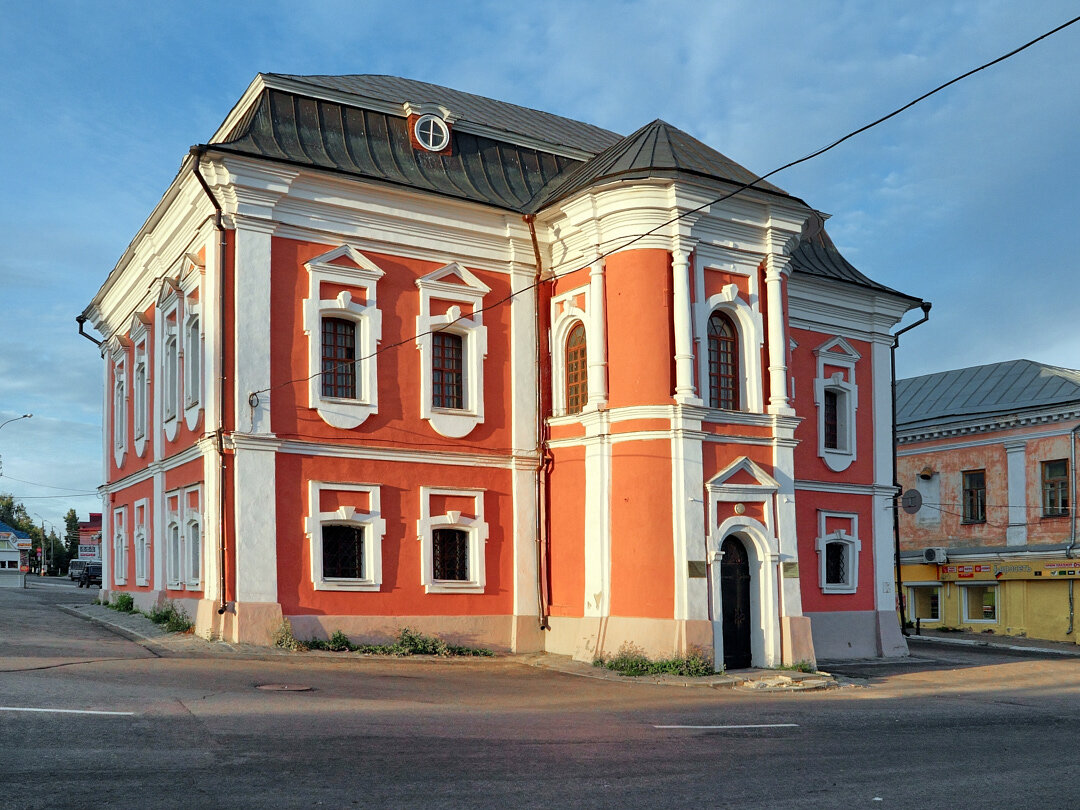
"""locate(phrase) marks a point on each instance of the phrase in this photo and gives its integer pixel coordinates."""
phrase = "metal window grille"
(975, 496)
(836, 564)
(343, 552)
(338, 358)
(723, 363)
(577, 382)
(1055, 487)
(450, 554)
(832, 419)
(447, 380)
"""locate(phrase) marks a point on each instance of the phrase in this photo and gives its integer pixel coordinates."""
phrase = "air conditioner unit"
(935, 555)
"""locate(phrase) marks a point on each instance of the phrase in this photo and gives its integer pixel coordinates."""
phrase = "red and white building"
(391, 354)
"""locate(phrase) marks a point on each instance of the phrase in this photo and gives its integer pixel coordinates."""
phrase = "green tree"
(71, 533)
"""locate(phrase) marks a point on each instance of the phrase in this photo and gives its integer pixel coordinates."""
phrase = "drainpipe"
(197, 153)
(81, 320)
(1072, 530)
(895, 474)
(542, 468)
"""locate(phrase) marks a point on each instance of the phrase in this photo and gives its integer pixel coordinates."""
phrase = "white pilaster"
(688, 515)
(685, 391)
(597, 530)
(256, 521)
(596, 346)
(786, 533)
(1016, 533)
(158, 533)
(775, 274)
(251, 324)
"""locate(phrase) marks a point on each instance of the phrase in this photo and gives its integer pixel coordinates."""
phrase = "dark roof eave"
(873, 287)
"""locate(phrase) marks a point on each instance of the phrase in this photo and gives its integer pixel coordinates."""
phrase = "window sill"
(356, 585)
(1055, 517)
(973, 522)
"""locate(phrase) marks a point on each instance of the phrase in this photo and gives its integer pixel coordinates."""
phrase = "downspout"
(197, 153)
(541, 446)
(895, 473)
(81, 320)
(1072, 530)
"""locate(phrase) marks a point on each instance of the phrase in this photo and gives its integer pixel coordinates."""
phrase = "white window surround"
(838, 353)
(748, 325)
(467, 290)
(192, 349)
(120, 555)
(118, 352)
(335, 411)
(370, 520)
(852, 547)
(476, 529)
(565, 315)
(142, 547)
(193, 538)
(182, 562)
(431, 132)
(174, 551)
(140, 382)
(964, 617)
(167, 380)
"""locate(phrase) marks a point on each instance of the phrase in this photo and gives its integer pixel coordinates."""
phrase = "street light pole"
(16, 419)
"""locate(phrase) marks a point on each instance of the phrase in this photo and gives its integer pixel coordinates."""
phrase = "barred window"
(338, 358)
(450, 554)
(836, 563)
(343, 552)
(447, 381)
(1055, 487)
(832, 419)
(577, 380)
(723, 363)
(975, 496)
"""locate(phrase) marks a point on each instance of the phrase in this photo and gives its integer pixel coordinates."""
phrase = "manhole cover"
(284, 687)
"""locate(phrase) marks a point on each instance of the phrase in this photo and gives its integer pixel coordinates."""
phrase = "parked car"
(91, 575)
(75, 569)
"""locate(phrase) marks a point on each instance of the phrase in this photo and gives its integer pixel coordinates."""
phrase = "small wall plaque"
(790, 570)
(696, 569)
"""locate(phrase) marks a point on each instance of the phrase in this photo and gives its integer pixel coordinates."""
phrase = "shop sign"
(997, 571)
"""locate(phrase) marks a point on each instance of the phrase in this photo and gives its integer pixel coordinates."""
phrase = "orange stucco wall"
(126, 498)
(807, 507)
(567, 521)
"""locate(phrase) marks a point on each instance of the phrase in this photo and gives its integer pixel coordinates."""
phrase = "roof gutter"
(197, 153)
(925, 306)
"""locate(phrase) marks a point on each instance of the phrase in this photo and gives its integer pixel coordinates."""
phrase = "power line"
(253, 396)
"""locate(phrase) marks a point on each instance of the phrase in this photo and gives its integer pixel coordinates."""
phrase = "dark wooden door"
(735, 594)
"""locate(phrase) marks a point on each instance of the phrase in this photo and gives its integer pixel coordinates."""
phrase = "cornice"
(519, 460)
(159, 466)
(980, 426)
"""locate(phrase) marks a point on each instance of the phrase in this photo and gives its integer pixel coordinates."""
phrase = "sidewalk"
(993, 641)
(140, 629)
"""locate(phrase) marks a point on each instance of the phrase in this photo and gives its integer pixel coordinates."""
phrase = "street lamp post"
(16, 419)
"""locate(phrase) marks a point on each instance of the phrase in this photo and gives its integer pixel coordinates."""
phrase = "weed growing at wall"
(408, 642)
(284, 638)
(631, 660)
(123, 602)
(174, 618)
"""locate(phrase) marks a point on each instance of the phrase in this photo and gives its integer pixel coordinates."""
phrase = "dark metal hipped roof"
(983, 391)
(657, 149)
(329, 135)
(816, 255)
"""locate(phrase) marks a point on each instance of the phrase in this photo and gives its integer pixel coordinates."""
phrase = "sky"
(968, 200)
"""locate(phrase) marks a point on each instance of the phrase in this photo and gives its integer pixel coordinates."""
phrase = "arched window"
(577, 378)
(723, 363)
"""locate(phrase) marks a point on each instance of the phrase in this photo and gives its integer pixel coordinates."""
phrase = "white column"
(774, 295)
(1016, 533)
(597, 516)
(255, 540)
(685, 392)
(688, 517)
(252, 324)
(596, 346)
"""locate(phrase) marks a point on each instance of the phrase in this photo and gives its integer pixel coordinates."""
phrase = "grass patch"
(632, 661)
(123, 602)
(174, 618)
(408, 642)
(798, 666)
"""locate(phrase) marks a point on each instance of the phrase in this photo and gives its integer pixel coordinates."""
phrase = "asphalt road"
(949, 728)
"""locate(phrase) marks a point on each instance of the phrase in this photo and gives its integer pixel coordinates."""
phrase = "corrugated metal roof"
(654, 150)
(358, 141)
(982, 391)
(488, 112)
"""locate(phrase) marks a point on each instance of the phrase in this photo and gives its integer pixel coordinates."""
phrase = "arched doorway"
(735, 597)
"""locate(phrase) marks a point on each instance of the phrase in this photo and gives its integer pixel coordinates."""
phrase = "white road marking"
(63, 711)
(749, 725)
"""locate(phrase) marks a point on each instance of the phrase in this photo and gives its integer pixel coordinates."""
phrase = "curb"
(964, 642)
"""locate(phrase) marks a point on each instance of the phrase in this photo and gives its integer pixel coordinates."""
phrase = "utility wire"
(253, 397)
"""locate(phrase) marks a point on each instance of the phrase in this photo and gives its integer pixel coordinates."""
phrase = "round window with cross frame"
(432, 133)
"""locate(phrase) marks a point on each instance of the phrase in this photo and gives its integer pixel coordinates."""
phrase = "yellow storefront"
(1016, 596)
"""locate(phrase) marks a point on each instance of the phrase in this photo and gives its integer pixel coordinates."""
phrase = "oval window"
(432, 133)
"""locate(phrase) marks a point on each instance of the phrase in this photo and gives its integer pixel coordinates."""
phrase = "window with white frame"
(193, 538)
(452, 534)
(924, 602)
(173, 546)
(730, 333)
(167, 380)
(141, 542)
(838, 547)
(452, 345)
(184, 538)
(120, 552)
(570, 354)
(345, 529)
(193, 353)
(837, 398)
(343, 325)
(119, 402)
(140, 381)
(978, 603)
